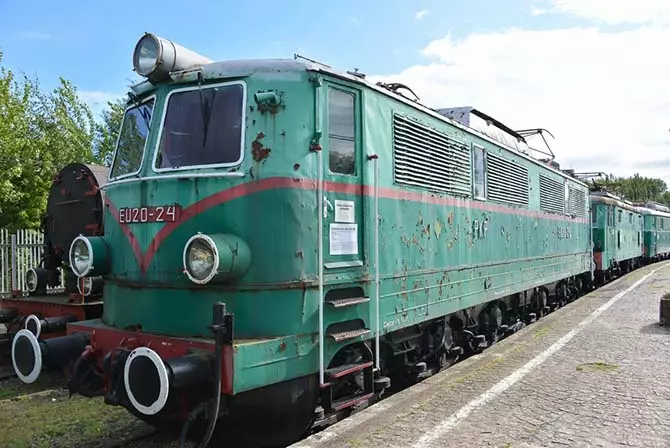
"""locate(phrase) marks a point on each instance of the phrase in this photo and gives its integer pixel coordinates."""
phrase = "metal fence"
(19, 251)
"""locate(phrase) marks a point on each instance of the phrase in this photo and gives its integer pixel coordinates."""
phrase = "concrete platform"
(593, 374)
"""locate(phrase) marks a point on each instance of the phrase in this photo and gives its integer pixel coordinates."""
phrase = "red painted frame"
(106, 339)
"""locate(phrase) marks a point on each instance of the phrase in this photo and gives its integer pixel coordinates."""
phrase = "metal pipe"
(321, 211)
(8, 314)
(30, 356)
(377, 262)
(46, 325)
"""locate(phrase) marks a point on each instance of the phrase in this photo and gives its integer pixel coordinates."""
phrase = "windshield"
(202, 127)
(132, 139)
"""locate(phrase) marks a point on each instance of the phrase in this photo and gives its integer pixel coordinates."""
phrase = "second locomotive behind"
(74, 207)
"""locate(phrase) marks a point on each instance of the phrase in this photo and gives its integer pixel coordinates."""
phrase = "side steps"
(372, 385)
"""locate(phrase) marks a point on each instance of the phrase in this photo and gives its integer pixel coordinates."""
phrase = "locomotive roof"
(610, 199)
(649, 211)
(248, 67)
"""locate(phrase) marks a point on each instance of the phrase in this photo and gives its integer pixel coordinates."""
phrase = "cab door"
(343, 202)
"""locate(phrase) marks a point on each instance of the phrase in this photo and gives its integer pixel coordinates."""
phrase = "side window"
(594, 215)
(619, 214)
(479, 174)
(610, 217)
(341, 132)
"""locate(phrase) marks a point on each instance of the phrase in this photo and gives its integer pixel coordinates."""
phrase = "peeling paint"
(437, 228)
(257, 150)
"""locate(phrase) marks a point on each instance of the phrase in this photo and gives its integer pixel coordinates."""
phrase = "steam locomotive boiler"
(74, 207)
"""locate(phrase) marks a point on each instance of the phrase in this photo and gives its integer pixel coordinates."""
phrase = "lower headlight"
(215, 257)
(89, 286)
(36, 280)
(84, 252)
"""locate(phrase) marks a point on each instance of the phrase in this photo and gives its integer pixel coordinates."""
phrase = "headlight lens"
(200, 260)
(31, 280)
(89, 256)
(216, 258)
(87, 283)
(80, 257)
(146, 55)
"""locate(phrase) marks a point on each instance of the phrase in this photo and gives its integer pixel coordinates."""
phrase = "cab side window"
(341, 132)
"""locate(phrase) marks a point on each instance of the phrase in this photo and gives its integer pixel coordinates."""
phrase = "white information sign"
(345, 211)
(343, 239)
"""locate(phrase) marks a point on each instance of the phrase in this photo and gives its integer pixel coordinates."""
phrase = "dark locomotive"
(74, 207)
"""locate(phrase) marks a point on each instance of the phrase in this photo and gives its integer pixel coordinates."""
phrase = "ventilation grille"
(577, 202)
(426, 158)
(552, 193)
(507, 181)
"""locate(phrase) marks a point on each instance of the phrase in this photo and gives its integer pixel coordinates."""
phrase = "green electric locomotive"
(282, 239)
(617, 236)
(656, 231)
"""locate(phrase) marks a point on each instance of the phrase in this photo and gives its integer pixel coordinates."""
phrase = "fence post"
(14, 255)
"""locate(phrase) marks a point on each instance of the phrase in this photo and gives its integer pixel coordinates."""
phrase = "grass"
(597, 366)
(52, 419)
(541, 332)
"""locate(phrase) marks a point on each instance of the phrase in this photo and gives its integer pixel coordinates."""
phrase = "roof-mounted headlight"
(155, 58)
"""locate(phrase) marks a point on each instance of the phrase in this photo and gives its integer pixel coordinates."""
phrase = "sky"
(596, 73)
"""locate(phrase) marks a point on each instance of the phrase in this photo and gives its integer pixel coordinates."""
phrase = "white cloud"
(421, 14)
(603, 95)
(538, 11)
(617, 11)
(97, 100)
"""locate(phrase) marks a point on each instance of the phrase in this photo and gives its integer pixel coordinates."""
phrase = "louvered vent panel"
(552, 193)
(426, 158)
(506, 181)
(577, 202)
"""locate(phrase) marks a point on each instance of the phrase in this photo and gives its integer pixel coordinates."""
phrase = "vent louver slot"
(552, 195)
(577, 202)
(506, 181)
(424, 157)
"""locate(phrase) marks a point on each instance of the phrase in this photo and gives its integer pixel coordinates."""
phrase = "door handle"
(326, 204)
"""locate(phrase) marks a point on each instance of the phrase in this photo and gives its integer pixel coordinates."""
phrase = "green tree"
(107, 131)
(40, 132)
(637, 188)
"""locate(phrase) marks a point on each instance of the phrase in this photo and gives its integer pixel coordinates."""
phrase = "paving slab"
(595, 373)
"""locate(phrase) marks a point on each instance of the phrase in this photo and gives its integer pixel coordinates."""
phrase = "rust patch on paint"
(257, 150)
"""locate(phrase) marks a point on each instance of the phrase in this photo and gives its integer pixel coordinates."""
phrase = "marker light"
(91, 286)
(155, 58)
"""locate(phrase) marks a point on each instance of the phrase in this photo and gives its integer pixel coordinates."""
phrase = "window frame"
(473, 148)
(166, 104)
(610, 216)
(357, 127)
(146, 141)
